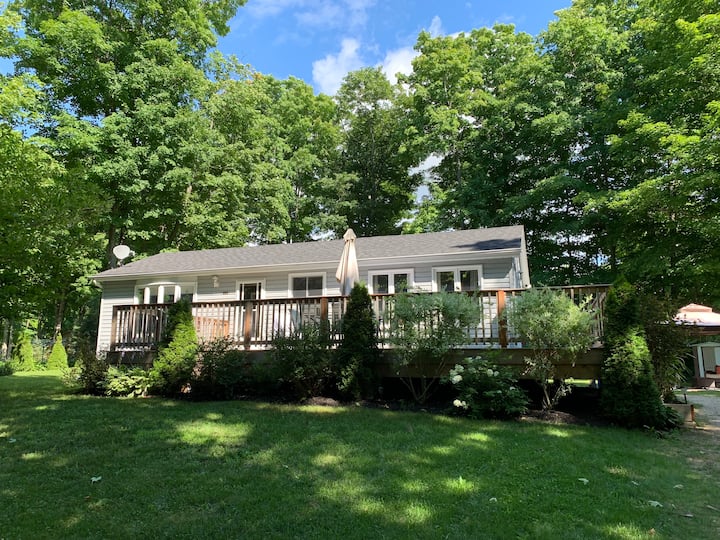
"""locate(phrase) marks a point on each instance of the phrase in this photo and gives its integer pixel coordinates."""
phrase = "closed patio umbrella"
(347, 272)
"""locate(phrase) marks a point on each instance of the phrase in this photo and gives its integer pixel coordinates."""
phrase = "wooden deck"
(254, 324)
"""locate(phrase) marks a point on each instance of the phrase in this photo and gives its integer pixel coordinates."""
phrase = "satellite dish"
(121, 252)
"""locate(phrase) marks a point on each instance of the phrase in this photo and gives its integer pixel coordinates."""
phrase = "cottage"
(251, 293)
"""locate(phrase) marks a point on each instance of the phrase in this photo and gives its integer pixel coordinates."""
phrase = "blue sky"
(320, 41)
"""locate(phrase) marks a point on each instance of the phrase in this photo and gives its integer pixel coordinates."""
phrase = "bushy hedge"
(555, 328)
(303, 360)
(425, 328)
(223, 372)
(485, 390)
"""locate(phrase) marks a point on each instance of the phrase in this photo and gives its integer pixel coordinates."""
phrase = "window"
(390, 282)
(250, 290)
(304, 286)
(457, 279)
(164, 293)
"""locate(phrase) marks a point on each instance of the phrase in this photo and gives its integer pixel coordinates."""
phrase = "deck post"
(247, 323)
(324, 309)
(502, 323)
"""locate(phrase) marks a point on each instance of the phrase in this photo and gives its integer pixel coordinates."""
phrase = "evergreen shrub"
(358, 353)
(58, 358)
(172, 370)
(629, 394)
(23, 356)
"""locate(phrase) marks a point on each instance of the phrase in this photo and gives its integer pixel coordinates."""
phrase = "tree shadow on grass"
(255, 470)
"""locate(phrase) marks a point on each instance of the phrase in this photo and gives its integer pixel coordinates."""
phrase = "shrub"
(486, 390)
(90, 371)
(125, 382)
(303, 360)
(222, 371)
(667, 342)
(173, 368)
(58, 357)
(629, 393)
(555, 329)
(6, 369)
(425, 328)
(358, 351)
(23, 357)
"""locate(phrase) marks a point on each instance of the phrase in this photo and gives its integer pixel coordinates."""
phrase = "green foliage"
(358, 353)
(630, 396)
(58, 356)
(629, 393)
(374, 152)
(555, 328)
(424, 330)
(176, 360)
(303, 360)
(124, 382)
(486, 390)
(622, 312)
(6, 369)
(90, 371)
(667, 343)
(223, 372)
(23, 356)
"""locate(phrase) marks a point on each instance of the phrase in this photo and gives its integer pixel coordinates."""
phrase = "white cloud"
(345, 14)
(329, 72)
(436, 28)
(270, 8)
(398, 61)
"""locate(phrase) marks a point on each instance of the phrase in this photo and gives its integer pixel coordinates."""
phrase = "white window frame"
(145, 290)
(241, 282)
(457, 269)
(391, 278)
(306, 275)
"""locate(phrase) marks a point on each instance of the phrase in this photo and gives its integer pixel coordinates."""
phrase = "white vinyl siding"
(114, 294)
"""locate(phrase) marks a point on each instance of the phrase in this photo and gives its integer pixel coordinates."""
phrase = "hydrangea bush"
(486, 390)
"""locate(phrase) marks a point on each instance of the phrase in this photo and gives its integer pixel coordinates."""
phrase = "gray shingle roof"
(329, 251)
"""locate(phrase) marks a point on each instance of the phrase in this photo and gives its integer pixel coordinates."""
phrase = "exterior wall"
(497, 273)
(114, 294)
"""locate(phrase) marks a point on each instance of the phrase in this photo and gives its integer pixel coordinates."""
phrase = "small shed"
(703, 323)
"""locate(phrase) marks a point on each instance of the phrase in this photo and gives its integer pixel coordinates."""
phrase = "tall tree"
(374, 153)
(124, 79)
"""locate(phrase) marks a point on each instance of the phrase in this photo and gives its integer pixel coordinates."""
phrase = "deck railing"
(255, 323)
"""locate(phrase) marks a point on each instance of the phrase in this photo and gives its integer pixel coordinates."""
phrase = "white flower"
(489, 372)
(584, 480)
(456, 379)
(460, 404)
(495, 373)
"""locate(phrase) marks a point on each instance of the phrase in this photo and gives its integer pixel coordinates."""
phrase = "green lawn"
(166, 469)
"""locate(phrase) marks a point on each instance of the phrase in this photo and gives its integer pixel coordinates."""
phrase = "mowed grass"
(74, 466)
